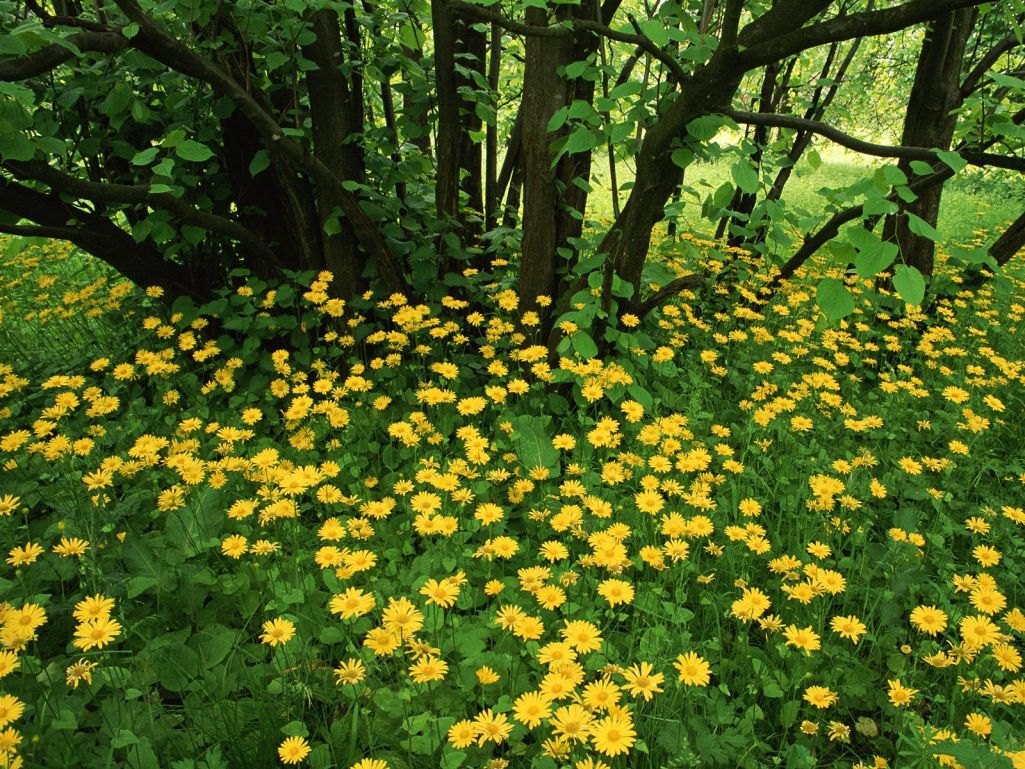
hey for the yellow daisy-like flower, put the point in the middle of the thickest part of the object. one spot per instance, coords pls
(820, 696)
(11, 709)
(293, 750)
(928, 619)
(277, 631)
(96, 633)
(899, 694)
(370, 763)
(693, 669)
(613, 735)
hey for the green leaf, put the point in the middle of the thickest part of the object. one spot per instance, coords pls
(682, 157)
(145, 157)
(921, 168)
(123, 739)
(746, 177)
(952, 159)
(193, 151)
(873, 256)
(814, 160)
(909, 283)
(921, 227)
(260, 161)
(533, 443)
(583, 345)
(705, 128)
(295, 729)
(581, 140)
(14, 146)
(834, 299)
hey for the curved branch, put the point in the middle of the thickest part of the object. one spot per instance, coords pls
(139, 194)
(668, 291)
(568, 28)
(984, 159)
(56, 54)
(95, 235)
(865, 24)
(974, 78)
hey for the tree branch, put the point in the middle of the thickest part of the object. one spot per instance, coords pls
(154, 41)
(668, 291)
(568, 28)
(983, 159)
(56, 54)
(865, 24)
(97, 236)
(139, 194)
(974, 78)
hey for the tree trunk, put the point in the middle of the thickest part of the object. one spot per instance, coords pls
(544, 93)
(491, 196)
(333, 114)
(929, 123)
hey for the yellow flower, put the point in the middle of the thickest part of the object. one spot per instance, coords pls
(80, 671)
(352, 603)
(979, 724)
(492, 727)
(641, 681)
(462, 734)
(277, 631)
(616, 591)
(531, 707)
(96, 633)
(805, 639)
(370, 763)
(928, 619)
(487, 676)
(293, 750)
(71, 548)
(11, 709)
(235, 546)
(428, 669)
(613, 735)
(850, 627)
(25, 555)
(351, 671)
(899, 694)
(693, 669)
(820, 696)
(93, 607)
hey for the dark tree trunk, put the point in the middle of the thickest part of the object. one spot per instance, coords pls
(334, 113)
(929, 123)
(491, 196)
(544, 93)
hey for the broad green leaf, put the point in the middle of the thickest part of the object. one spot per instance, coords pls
(534, 444)
(193, 151)
(145, 157)
(952, 159)
(260, 161)
(581, 140)
(746, 177)
(921, 168)
(834, 299)
(909, 283)
(814, 160)
(921, 227)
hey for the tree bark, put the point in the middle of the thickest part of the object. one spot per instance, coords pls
(334, 114)
(930, 123)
